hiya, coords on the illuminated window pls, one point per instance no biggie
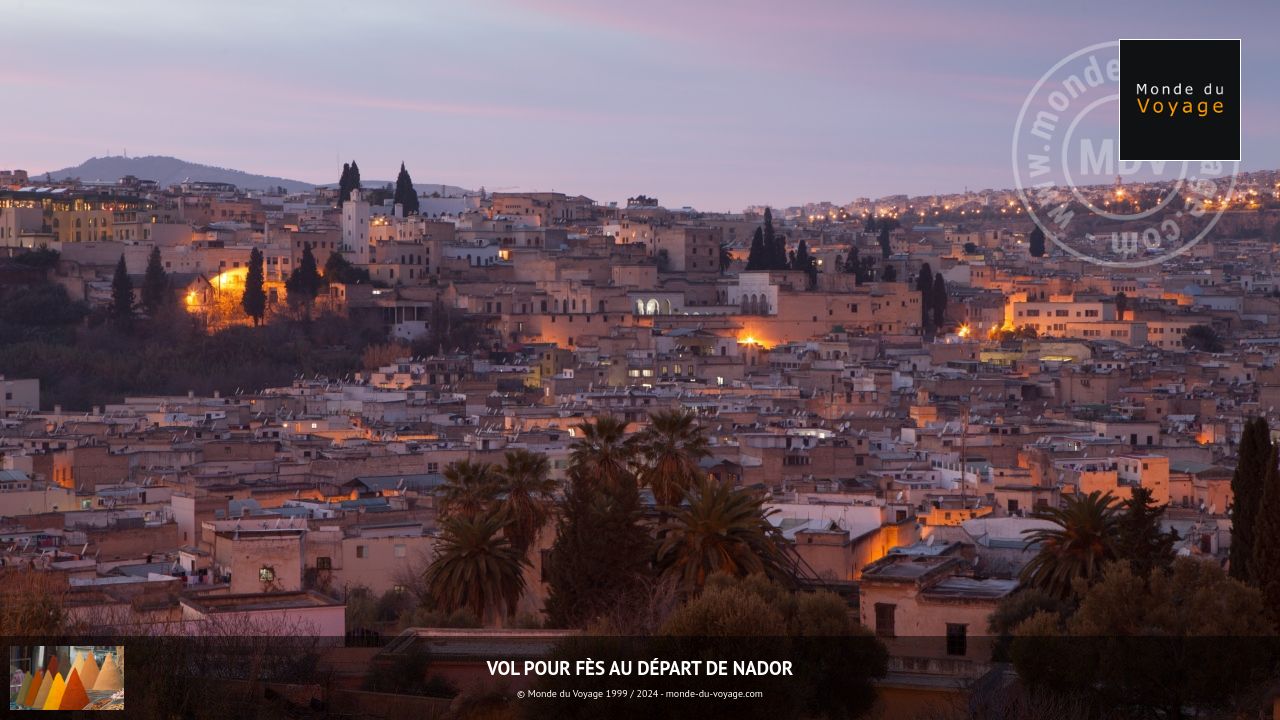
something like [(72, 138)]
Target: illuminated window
[(267, 574)]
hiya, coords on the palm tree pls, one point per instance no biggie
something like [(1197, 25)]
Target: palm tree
[(476, 566), (526, 495), (1083, 541), (720, 529), (671, 447), (469, 488), (602, 454)]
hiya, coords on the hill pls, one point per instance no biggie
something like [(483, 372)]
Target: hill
[(168, 171)]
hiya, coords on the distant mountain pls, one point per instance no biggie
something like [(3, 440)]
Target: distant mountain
[(168, 171)]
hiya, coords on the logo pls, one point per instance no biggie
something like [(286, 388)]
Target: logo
[(1087, 200), (1180, 99)]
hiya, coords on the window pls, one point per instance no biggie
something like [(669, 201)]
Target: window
[(267, 574), (360, 551), (399, 551), (324, 563), (957, 639), (884, 619)]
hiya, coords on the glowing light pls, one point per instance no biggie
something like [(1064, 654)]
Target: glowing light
[(964, 331)]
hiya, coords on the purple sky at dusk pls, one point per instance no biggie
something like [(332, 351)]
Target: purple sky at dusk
[(712, 104)]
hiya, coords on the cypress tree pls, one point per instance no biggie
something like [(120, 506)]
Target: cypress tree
[(601, 555), (775, 247), (254, 300), (121, 307), (1140, 541), (939, 300), (1036, 242), (781, 258), (355, 176), (924, 285), (885, 249), (155, 284), (1246, 488), (405, 195), (1265, 564), (889, 274), (344, 183), (304, 282), (756, 259), (924, 280), (802, 258)]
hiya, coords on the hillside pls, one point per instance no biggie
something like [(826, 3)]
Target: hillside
[(170, 171)]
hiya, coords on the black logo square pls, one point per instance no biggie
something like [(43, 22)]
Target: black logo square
[(1180, 100)]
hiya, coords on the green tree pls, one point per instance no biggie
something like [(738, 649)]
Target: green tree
[(938, 300), (337, 269), (304, 283), (886, 249), (720, 529), (726, 258), (970, 249), (727, 610), (1083, 541), (774, 245), (1122, 303), (526, 495), (1246, 489), (602, 455), (476, 567), (756, 258), (671, 448), (155, 284), (1266, 541), (40, 257), (121, 307), (349, 181), (344, 183), (406, 196), (1186, 638), (890, 273), (1203, 338), (837, 659), (254, 299), (1035, 242), (1139, 539), (924, 285), (1017, 608), (602, 555), (469, 488)]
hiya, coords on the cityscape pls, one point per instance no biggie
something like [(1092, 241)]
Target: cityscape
[(365, 446)]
